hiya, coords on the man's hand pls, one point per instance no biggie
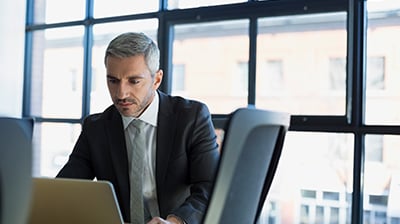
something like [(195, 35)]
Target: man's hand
[(170, 220)]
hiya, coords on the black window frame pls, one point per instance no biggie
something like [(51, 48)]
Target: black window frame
[(351, 122)]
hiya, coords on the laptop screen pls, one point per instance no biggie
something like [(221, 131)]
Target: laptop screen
[(15, 168), (73, 201)]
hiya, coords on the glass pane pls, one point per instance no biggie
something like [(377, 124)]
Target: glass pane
[(319, 216), (312, 180), (52, 142), (382, 63), (382, 178), (57, 73), (214, 56), (301, 63), (106, 8), (334, 216), (53, 11), (103, 34), (182, 4)]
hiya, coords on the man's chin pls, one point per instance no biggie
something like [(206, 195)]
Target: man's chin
[(126, 112)]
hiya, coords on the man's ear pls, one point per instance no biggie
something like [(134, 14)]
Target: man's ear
[(158, 78)]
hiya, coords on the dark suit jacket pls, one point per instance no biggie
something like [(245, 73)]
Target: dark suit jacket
[(186, 161)]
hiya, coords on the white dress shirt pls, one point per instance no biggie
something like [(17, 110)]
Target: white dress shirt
[(149, 117)]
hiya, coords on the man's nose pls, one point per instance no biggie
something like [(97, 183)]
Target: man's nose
[(123, 90)]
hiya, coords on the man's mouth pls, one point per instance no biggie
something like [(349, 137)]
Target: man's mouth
[(125, 102)]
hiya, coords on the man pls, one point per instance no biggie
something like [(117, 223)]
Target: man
[(181, 154)]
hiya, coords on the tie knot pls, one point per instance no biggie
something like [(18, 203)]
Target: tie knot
[(138, 124)]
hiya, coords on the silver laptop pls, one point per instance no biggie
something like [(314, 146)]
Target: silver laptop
[(73, 201)]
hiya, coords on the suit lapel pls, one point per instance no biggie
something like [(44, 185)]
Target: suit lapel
[(117, 148), (166, 130)]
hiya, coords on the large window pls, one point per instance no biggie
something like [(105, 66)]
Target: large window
[(313, 179), (303, 45), (331, 66), (382, 76), (216, 70), (57, 73)]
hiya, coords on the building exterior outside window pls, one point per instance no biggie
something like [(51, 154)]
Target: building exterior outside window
[(300, 67)]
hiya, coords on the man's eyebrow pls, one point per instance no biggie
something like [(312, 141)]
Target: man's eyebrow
[(136, 76)]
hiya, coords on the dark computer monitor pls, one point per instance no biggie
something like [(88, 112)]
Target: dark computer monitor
[(15, 169), (250, 153)]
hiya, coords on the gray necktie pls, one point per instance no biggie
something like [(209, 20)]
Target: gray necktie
[(138, 155)]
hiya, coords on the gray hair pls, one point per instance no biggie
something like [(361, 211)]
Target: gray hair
[(133, 44)]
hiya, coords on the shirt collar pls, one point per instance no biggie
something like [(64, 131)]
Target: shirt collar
[(149, 115)]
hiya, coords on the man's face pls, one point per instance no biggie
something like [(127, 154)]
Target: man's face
[(130, 84)]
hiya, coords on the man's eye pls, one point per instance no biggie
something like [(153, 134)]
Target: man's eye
[(113, 81), (134, 81)]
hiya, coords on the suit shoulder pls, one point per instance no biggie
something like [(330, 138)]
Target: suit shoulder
[(92, 118), (186, 103), (99, 117), (179, 105)]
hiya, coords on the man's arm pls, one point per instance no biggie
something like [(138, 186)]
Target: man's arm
[(203, 163)]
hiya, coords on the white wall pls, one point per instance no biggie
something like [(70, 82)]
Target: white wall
[(12, 34)]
